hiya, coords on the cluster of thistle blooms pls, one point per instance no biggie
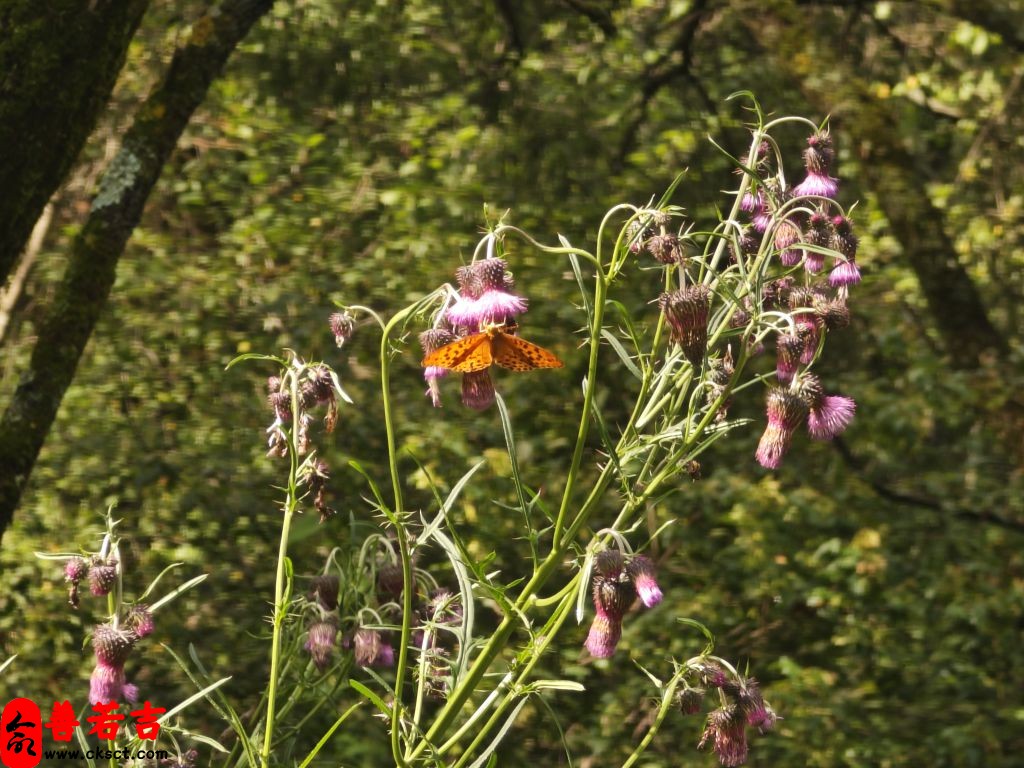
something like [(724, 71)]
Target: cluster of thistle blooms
[(799, 225), (318, 387), (484, 297), (370, 645), (741, 706), (113, 641), (616, 583)]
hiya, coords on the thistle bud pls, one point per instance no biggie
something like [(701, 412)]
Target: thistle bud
[(140, 620), (102, 576), (686, 311), (324, 589), (665, 249), (343, 325)]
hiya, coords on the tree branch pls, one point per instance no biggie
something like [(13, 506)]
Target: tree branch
[(115, 212), (58, 63)]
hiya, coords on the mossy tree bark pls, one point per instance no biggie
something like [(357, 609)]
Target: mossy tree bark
[(58, 63), (95, 251)]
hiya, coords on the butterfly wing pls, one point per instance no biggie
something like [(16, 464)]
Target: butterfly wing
[(517, 354), (466, 355)]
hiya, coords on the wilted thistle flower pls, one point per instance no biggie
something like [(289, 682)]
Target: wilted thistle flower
[(367, 643), (775, 293), (323, 590), (788, 348), (845, 272), (102, 576), (343, 325), (786, 411), (315, 475), (478, 390), (828, 415), (140, 620), (786, 235), (320, 641), (819, 233), (808, 329), (446, 607), (493, 302), (818, 159), (690, 700), (75, 570), (112, 647), (726, 730), (686, 311), (722, 369), (642, 573), (430, 340), (665, 248)]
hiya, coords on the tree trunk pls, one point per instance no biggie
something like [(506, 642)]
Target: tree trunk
[(891, 171), (58, 63), (115, 212)]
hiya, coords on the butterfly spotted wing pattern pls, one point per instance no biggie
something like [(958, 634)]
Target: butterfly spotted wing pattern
[(519, 355), (466, 355)]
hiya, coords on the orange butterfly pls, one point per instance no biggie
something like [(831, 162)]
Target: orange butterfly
[(492, 346)]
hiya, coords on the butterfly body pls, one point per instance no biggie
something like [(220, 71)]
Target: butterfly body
[(494, 345)]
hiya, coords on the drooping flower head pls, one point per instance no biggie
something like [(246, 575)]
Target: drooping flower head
[(786, 411), (75, 569), (323, 590), (818, 157), (726, 731), (320, 641), (828, 415), (686, 311), (112, 647), (819, 233), (641, 572), (343, 325), (478, 390), (831, 312), (612, 596), (367, 644), (788, 348), (690, 700), (845, 272), (665, 248), (786, 235), (800, 301), (430, 340), (485, 296)]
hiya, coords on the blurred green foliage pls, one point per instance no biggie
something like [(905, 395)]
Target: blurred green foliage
[(348, 153)]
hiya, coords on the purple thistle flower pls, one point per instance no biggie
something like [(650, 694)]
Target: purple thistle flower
[(785, 413), (786, 235), (818, 234), (788, 348), (747, 694), (343, 325), (385, 656), (641, 571), (320, 642), (603, 637), (371, 650), (818, 159), (75, 570), (845, 272), (140, 620), (806, 321), (830, 416), (612, 596), (686, 311), (726, 730), (112, 647), (492, 302), (751, 202), (609, 563), (102, 576), (430, 340), (690, 700), (478, 390)]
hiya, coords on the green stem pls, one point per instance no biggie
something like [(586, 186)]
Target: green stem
[(280, 607), (666, 704)]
